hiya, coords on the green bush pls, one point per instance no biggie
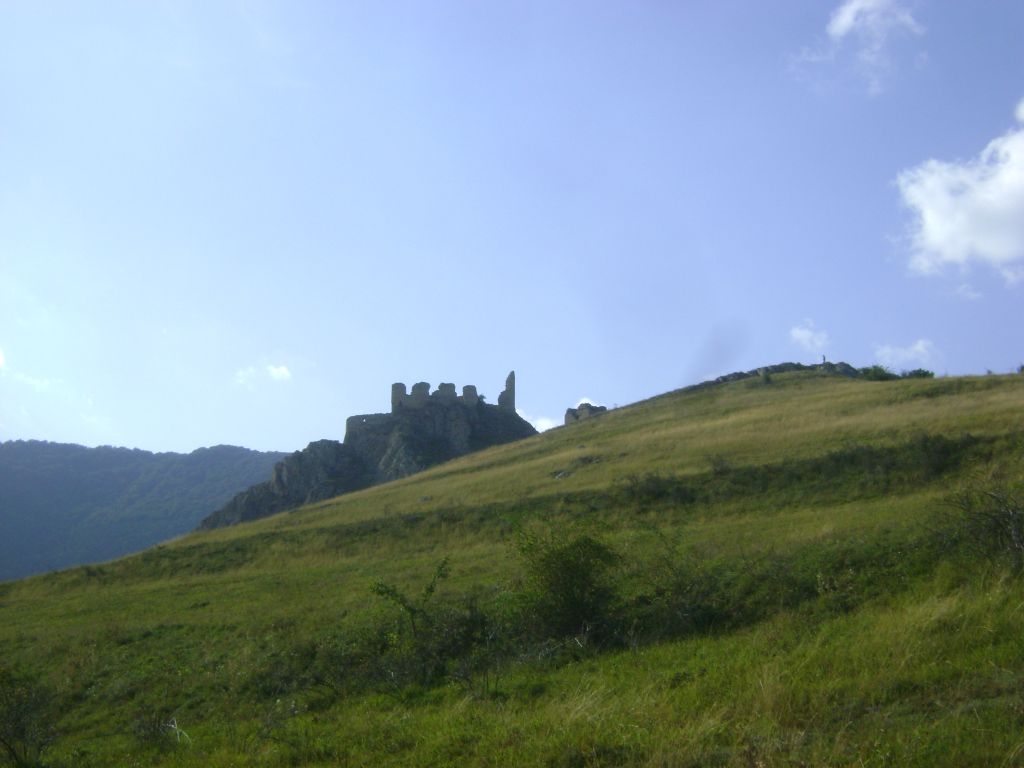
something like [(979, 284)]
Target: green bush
[(569, 587), (918, 373), (877, 373)]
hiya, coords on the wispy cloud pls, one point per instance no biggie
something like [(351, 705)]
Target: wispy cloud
[(246, 377), (968, 292), (861, 35), (970, 211), (279, 372), (40, 383), (45, 405), (809, 337), (3, 360), (873, 20), (921, 352), (249, 376)]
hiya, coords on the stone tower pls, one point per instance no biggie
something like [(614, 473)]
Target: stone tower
[(507, 399)]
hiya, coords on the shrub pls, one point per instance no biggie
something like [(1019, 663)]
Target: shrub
[(877, 373), (27, 716), (918, 373), (431, 636), (569, 586)]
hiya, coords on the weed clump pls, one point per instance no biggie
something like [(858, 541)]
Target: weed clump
[(433, 639), (989, 524), (27, 719)]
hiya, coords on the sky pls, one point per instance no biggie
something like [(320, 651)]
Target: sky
[(232, 221)]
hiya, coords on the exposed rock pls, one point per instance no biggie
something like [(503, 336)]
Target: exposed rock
[(422, 430), (324, 469)]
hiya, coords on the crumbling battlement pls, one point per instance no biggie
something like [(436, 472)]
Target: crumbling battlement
[(445, 393)]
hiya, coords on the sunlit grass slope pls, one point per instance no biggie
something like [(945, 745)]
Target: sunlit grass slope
[(786, 581)]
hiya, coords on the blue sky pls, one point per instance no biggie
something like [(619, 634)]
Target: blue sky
[(240, 222)]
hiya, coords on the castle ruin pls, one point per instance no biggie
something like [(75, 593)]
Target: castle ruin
[(445, 393), (424, 428)]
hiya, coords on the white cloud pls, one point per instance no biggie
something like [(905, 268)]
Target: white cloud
[(921, 352), (865, 30), (873, 20), (3, 360), (540, 423), (970, 211), (249, 376), (279, 372), (808, 336), (968, 292)]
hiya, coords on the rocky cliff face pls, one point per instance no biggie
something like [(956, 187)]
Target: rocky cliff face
[(422, 430), (321, 470)]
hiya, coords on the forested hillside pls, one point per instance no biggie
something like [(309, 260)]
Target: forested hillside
[(63, 504)]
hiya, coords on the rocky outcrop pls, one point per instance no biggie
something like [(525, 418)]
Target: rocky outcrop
[(322, 470), (423, 429)]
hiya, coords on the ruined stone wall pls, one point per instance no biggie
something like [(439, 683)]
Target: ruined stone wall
[(583, 412), (507, 399)]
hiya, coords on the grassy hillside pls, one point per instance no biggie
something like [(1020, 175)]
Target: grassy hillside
[(815, 571), (67, 504)]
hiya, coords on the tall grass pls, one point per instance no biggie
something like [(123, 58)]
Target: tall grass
[(745, 575)]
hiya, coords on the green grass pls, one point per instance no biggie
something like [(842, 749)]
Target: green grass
[(787, 587)]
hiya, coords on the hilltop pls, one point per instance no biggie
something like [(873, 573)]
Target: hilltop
[(805, 568), (424, 428)]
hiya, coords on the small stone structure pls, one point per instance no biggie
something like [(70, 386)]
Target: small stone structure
[(507, 399), (583, 412)]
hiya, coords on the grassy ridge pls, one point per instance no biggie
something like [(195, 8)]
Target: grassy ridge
[(783, 587)]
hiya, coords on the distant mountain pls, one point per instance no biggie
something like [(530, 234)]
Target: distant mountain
[(63, 505)]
